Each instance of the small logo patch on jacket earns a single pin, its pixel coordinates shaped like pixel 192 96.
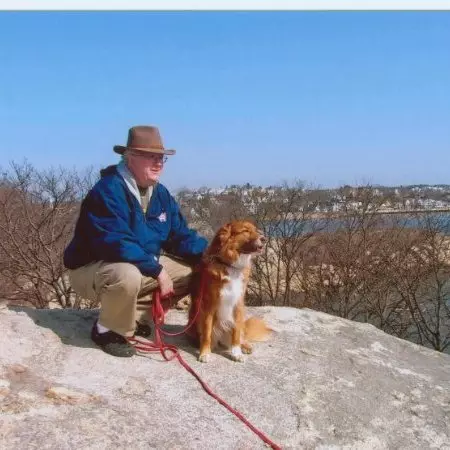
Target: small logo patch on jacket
pixel 162 217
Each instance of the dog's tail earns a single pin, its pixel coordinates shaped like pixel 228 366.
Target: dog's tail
pixel 257 330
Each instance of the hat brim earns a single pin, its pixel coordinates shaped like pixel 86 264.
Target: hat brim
pixel 121 148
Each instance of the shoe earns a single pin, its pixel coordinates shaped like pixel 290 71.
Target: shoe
pixel 112 343
pixel 142 329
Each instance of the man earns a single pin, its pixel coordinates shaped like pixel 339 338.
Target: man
pixel 125 221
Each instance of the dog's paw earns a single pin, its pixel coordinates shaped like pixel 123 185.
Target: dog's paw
pixel 246 348
pixel 206 357
pixel 236 354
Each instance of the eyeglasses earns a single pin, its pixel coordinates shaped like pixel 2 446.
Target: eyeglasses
pixel 151 157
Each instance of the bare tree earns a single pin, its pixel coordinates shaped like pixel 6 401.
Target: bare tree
pixel 342 265
pixel 286 214
pixel 421 278
pixel 37 215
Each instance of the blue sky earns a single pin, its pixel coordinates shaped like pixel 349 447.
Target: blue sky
pixel 261 97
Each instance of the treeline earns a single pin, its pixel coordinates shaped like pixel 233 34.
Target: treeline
pixel 392 271
pixel 394 274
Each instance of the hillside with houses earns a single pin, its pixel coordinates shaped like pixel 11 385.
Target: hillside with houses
pixel 394 199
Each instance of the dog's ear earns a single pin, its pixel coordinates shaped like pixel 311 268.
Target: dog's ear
pixel 224 233
pixel 221 238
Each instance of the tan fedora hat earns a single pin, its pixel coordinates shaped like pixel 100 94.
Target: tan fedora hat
pixel 145 139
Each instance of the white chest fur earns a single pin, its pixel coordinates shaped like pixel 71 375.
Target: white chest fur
pixel 232 291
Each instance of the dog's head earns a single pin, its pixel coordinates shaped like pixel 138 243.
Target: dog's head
pixel 237 238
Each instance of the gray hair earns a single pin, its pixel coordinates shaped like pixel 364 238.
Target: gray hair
pixel 124 156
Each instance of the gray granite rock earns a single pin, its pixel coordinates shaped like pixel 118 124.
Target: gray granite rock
pixel 320 383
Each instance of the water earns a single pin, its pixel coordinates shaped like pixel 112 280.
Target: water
pixel 437 221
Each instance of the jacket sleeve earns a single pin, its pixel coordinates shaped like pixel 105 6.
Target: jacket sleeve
pixel 183 241
pixel 111 238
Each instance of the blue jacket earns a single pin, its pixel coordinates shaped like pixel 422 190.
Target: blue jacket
pixel 112 227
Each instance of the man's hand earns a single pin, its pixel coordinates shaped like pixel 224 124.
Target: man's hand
pixel 165 283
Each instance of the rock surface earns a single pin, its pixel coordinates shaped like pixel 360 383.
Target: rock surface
pixel 320 383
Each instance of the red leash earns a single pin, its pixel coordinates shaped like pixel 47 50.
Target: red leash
pixel 158 313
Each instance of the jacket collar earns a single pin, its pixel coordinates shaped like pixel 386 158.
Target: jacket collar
pixel 129 180
pixel 127 176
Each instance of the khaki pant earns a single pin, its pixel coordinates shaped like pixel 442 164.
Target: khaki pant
pixel 123 292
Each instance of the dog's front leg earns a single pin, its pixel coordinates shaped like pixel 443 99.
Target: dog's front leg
pixel 236 335
pixel 205 338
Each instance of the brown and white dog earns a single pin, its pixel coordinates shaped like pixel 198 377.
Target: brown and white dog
pixel 221 317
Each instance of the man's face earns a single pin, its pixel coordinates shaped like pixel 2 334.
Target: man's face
pixel 146 167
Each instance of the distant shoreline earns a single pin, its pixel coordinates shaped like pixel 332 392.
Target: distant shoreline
pixel 337 215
